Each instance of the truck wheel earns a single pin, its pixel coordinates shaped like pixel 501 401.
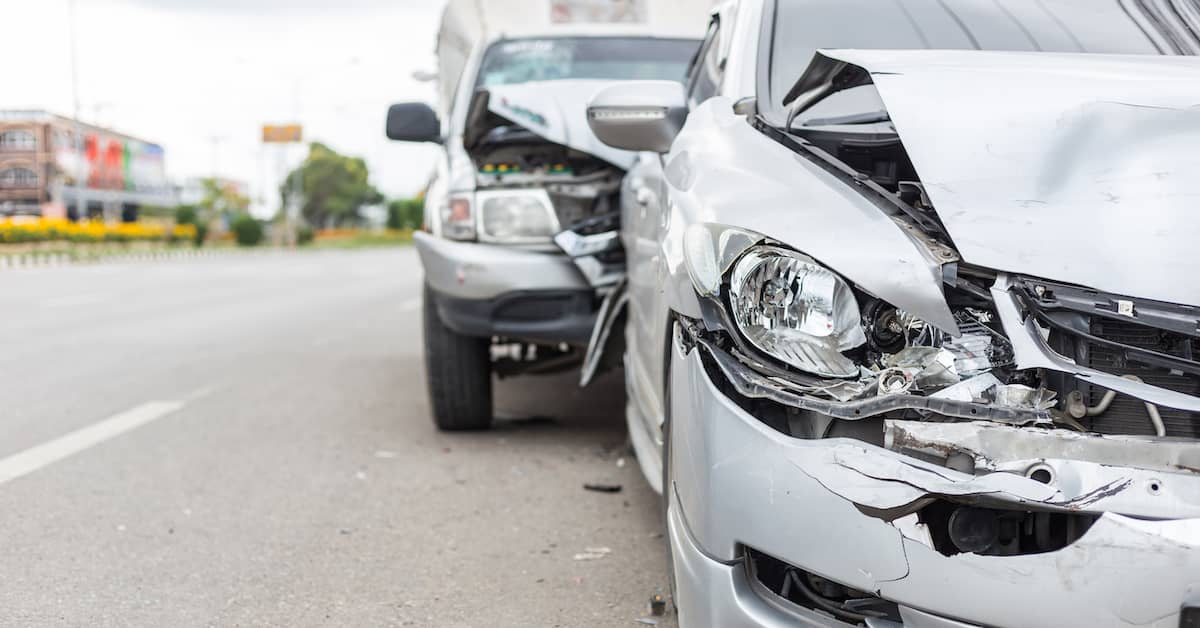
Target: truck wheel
pixel 458 370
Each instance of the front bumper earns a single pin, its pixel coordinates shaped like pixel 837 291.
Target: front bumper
pixel 490 290
pixel 738 484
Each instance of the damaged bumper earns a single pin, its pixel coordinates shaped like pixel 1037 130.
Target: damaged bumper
pixel 492 290
pixel 846 510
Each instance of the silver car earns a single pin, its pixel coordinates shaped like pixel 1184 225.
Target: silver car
pixel 913 332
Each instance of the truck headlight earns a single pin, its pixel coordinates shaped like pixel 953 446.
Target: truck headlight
pixel 458 221
pixel 516 216
pixel 795 310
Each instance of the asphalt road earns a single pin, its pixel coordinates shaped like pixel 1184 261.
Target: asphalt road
pixel 245 440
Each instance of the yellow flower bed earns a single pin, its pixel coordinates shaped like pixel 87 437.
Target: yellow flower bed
pixel 51 229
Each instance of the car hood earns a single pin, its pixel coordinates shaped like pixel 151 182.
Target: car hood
pixel 557 111
pixel 1080 168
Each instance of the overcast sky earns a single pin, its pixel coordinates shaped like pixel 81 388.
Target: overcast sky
pixel 200 76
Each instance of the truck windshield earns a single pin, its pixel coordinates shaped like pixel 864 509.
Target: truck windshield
pixel 801 27
pixel 616 58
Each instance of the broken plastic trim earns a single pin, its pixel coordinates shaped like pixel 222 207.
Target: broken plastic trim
pixel 752 384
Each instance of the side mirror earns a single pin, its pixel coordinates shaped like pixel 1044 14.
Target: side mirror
pixel 639 115
pixel 413 122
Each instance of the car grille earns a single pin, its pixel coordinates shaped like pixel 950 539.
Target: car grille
pixel 1157 342
pixel 1128 415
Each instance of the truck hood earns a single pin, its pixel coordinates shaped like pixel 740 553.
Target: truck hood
pixel 557 111
pixel 1078 167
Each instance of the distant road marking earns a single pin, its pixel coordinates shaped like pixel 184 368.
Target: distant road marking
pixel 410 305
pixel 67 445
pixel 75 300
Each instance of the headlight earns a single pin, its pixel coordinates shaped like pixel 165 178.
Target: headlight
pixel 458 221
pixel 516 216
pixel 795 310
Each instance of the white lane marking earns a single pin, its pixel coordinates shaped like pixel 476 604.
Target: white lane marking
pixel 75 300
pixel 69 444
pixel 410 305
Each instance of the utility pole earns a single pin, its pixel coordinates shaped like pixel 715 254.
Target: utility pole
pixel 80 164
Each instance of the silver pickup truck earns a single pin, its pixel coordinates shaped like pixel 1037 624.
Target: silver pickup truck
pixel 520 245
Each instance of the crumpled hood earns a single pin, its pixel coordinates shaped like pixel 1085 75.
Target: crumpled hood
pixel 1082 168
pixel 557 111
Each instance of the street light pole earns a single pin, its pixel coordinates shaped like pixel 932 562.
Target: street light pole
pixel 80 165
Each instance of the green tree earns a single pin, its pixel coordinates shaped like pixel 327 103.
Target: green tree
pixel 334 187
pixel 222 198
pixel 405 213
pixel 190 215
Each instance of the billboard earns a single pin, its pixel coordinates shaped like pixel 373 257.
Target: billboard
pixel 111 162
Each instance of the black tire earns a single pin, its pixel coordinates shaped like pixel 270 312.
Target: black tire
pixel 458 370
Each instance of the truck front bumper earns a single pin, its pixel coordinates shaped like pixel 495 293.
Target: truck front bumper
pixel 490 290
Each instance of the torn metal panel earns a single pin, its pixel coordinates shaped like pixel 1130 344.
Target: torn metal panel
pixel 755 385
pixel 1162 476
pixel 890 482
pixel 1018 159
pixel 882 480
pixel 995 444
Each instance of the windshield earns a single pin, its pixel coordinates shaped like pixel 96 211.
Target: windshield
pixel 801 27
pixel 552 59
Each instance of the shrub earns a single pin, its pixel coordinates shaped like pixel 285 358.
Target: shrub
pixel 186 215
pixel 247 230
pixel 305 235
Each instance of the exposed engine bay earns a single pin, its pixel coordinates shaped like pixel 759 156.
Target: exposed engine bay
pixel 506 154
pixel 583 189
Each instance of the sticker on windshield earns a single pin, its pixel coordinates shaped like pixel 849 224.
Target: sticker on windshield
pixel 597 11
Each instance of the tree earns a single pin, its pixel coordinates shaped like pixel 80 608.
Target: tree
pixel 406 213
pixel 222 198
pixel 334 187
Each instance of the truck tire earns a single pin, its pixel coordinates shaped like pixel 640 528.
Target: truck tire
pixel 458 370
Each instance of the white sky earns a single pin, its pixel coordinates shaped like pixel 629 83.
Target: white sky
pixel 183 72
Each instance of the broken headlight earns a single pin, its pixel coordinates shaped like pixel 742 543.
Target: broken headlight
pixel 782 302
pixel 795 310
pixel 516 216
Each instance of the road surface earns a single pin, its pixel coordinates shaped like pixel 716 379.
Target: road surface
pixel 245 440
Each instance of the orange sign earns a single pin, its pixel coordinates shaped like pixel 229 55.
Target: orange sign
pixel 282 133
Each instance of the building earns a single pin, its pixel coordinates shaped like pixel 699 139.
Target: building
pixel 53 166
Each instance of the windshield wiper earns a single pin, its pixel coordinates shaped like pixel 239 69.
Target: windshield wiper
pixel 866 117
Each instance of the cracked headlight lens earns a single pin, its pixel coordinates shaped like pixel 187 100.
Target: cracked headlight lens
pixel 516 216
pixel 796 311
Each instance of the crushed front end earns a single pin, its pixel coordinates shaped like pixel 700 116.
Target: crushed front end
pixel 849 463
pixel 527 250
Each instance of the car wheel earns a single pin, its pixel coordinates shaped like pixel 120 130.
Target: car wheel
pixel 458 370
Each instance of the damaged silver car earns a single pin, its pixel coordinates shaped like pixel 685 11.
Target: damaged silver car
pixel 912 333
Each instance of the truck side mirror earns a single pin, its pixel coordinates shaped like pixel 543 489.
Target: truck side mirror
pixel 413 122
pixel 639 115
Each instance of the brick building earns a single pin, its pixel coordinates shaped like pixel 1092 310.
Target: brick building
pixel 42 162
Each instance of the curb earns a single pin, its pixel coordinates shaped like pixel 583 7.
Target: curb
pixel 51 260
